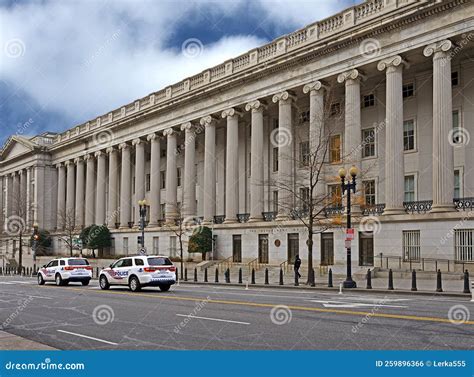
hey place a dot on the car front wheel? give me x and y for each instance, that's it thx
(59, 280)
(104, 283)
(134, 284)
(40, 279)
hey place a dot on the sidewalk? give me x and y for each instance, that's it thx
(10, 342)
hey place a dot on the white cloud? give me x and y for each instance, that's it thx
(82, 59)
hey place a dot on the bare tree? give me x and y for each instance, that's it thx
(68, 231)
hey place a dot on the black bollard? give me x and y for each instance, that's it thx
(390, 280)
(439, 287)
(217, 276)
(253, 276)
(313, 280)
(186, 274)
(195, 275)
(466, 282)
(369, 279)
(227, 276)
(240, 275)
(281, 277)
(413, 281)
(177, 274)
(266, 276)
(330, 279)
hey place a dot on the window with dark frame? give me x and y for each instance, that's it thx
(369, 192)
(275, 159)
(409, 135)
(368, 142)
(335, 148)
(368, 100)
(304, 153)
(408, 90)
(335, 109)
(454, 78)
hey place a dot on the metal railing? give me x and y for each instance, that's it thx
(285, 266)
(335, 210)
(420, 206)
(219, 219)
(269, 216)
(253, 264)
(373, 210)
(464, 204)
(225, 264)
(243, 217)
(423, 264)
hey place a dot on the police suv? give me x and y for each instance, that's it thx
(65, 270)
(139, 271)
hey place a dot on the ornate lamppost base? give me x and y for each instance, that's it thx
(349, 283)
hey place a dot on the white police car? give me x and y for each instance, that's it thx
(65, 270)
(139, 271)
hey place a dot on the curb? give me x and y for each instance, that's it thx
(336, 289)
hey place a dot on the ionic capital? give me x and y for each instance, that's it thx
(391, 63)
(188, 126)
(152, 137)
(110, 150)
(231, 113)
(284, 97)
(99, 154)
(60, 165)
(256, 106)
(70, 163)
(314, 86)
(88, 157)
(78, 160)
(438, 47)
(137, 141)
(124, 146)
(169, 132)
(207, 121)
(353, 74)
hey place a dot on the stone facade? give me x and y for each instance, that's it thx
(388, 82)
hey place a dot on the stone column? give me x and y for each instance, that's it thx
(100, 188)
(209, 200)
(232, 165)
(80, 192)
(352, 131)
(443, 150)
(171, 176)
(394, 155)
(125, 186)
(317, 140)
(155, 170)
(8, 198)
(284, 141)
(2, 208)
(189, 192)
(90, 192)
(23, 186)
(29, 206)
(60, 223)
(70, 193)
(39, 195)
(139, 176)
(256, 163)
(112, 215)
(16, 197)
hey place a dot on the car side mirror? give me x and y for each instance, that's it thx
(110, 265)
(44, 266)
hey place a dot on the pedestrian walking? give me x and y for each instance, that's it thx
(297, 266)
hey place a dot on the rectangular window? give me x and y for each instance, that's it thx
(275, 159)
(275, 201)
(369, 192)
(335, 149)
(172, 246)
(408, 90)
(463, 245)
(304, 198)
(263, 248)
(368, 100)
(148, 182)
(335, 109)
(178, 177)
(163, 210)
(368, 142)
(304, 153)
(409, 135)
(237, 248)
(411, 245)
(327, 249)
(410, 188)
(163, 179)
(156, 245)
(304, 117)
(457, 132)
(125, 245)
(457, 184)
(454, 78)
(335, 197)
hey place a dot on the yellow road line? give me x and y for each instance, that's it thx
(293, 307)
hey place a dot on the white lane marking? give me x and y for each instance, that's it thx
(25, 295)
(212, 319)
(88, 337)
(336, 304)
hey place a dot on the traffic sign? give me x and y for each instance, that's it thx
(142, 251)
(347, 244)
(350, 234)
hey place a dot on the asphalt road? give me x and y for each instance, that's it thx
(209, 318)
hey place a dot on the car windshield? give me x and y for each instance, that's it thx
(159, 262)
(78, 262)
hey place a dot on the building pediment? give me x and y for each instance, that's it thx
(16, 146)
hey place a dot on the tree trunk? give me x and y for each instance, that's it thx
(20, 255)
(310, 256)
(181, 257)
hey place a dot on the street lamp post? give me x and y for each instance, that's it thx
(34, 245)
(348, 187)
(143, 209)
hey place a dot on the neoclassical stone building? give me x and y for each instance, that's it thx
(391, 84)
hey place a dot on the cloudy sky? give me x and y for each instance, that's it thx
(64, 62)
